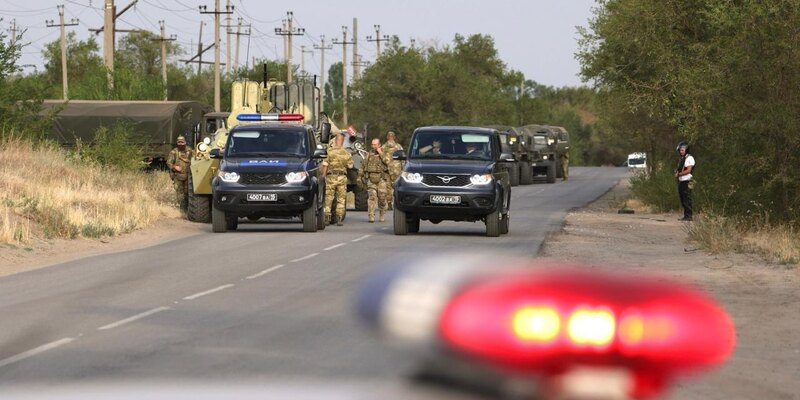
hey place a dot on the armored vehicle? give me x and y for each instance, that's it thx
(543, 143)
(453, 173)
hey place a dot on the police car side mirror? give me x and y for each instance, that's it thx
(398, 155)
(507, 157)
(215, 153)
(320, 153)
(325, 135)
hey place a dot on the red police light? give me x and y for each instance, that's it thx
(548, 324)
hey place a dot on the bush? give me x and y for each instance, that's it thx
(112, 148)
(658, 190)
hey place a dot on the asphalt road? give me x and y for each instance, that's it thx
(266, 303)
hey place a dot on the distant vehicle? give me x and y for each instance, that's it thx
(637, 160)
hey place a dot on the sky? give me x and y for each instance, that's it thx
(536, 37)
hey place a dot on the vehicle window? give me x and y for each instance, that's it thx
(540, 141)
(253, 143)
(451, 144)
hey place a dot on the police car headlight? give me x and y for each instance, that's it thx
(480, 179)
(202, 147)
(544, 157)
(230, 177)
(296, 177)
(411, 177)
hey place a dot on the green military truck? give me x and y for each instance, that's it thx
(543, 148)
(562, 148)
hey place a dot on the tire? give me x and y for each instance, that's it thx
(362, 198)
(321, 219)
(310, 217)
(525, 173)
(334, 217)
(559, 172)
(198, 205)
(218, 222)
(513, 174)
(504, 224)
(413, 226)
(400, 222)
(493, 224)
(551, 173)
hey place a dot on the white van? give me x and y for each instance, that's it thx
(637, 160)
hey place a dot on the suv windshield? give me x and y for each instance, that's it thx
(452, 145)
(267, 143)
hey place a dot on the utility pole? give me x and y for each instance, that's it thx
(61, 24)
(228, 27)
(217, 13)
(356, 66)
(163, 39)
(344, 44)
(288, 32)
(239, 33)
(13, 31)
(109, 30)
(303, 53)
(322, 49)
(378, 39)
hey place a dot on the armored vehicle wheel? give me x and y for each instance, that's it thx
(525, 173)
(551, 173)
(513, 174)
(218, 222)
(198, 205)
(232, 223)
(504, 224)
(413, 226)
(559, 172)
(362, 197)
(310, 217)
(493, 224)
(400, 222)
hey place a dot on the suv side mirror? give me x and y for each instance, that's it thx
(325, 136)
(215, 153)
(398, 155)
(320, 153)
(507, 157)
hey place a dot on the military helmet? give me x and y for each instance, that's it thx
(682, 144)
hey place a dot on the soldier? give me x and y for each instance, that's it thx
(395, 166)
(564, 158)
(178, 161)
(376, 173)
(335, 170)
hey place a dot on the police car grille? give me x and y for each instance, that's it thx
(263, 179)
(436, 180)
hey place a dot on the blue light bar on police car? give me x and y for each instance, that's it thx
(270, 117)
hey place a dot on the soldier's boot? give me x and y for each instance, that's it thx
(339, 220)
(327, 219)
(383, 216)
(371, 217)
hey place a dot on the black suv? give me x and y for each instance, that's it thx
(269, 170)
(453, 173)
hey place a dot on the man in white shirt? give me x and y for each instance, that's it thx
(684, 175)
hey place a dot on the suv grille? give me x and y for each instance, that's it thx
(445, 180)
(263, 179)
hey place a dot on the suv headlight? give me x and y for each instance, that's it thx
(230, 177)
(480, 179)
(296, 177)
(411, 177)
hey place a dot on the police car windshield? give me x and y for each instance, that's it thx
(452, 145)
(267, 143)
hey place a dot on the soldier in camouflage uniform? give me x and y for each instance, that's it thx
(395, 166)
(335, 170)
(375, 173)
(178, 161)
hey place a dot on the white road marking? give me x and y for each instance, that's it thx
(305, 258)
(33, 352)
(361, 238)
(214, 290)
(266, 271)
(384, 228)
(133, 318)
(334, 246)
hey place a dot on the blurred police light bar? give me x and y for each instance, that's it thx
(270, 117)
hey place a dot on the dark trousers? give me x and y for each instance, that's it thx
(686, 198)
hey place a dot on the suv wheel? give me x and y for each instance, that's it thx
(400, 222)
(504, 223)
(310, 217)
(218, 222)
(493, 224)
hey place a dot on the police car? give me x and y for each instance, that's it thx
(269, 169)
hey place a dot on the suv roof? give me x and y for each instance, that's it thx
(459, 128)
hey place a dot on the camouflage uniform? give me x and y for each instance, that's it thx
(338, 161)
(180, 179)
(564, 158)
(374, 170)
(395, 168)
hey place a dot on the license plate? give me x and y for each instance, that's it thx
(262, 197)
(441, 199)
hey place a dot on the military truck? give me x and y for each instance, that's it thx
(510, 144)
(543, 143)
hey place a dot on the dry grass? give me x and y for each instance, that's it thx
(777, 244)
(43, 191)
